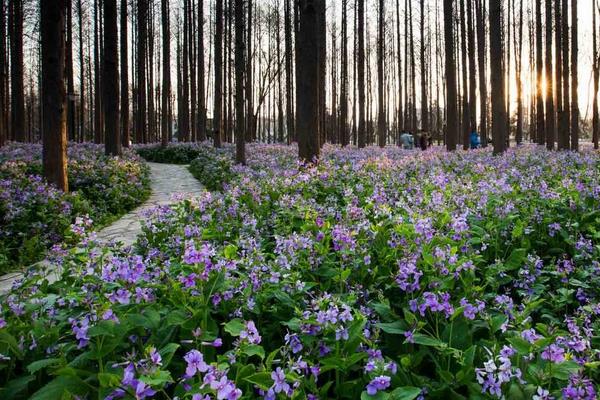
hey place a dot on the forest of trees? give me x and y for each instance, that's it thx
(308, 71)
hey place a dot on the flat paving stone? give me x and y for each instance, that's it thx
(170, 183)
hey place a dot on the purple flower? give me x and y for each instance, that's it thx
(554, 354)
(142, 391)
(250, 333)
(155, 357)
(379, 383)
(195, 363)
(279, 385)
(226, 390)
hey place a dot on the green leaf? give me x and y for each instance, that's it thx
(58, 387)
(393, 328)
(261, 379)
(378, 396)
(522, 346)
(41, 364)
(108, 380)
(254, 350)
(405, 393)
(230, 252)
(159, 378)
(516, 259)
(565, 369)
(234, 327)
(167, 353)
(14, 387)
(428, 340)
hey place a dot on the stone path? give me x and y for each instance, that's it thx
(167, 180)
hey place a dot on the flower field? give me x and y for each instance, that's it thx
(379, 274)
(35, 215)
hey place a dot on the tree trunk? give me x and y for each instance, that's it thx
(558, 74)
(550, 115)
(69, 71)
(362, 132)
(596, 69)
(307, 94)
(499, 134)
(54, 97)
(451, 111)
(565, 124)
(381, 131)
(400, 111)
(472, 68)
(466, 118)
(481, 61)
(3, 127)
(124, 77)
(110, 80)
(142, 26)
(201, 71)
(218, 60)
(575, 77)
(519, 68)
(289, 113)
(250, 133)
(424, 102)
(166, 70)
(16, 71)
(240, 143)
(322, 36)
(540, 124)
(344, 137)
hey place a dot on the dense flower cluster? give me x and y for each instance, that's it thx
(35, 215)
(380, 273)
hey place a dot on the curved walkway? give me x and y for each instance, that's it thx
(167, 181)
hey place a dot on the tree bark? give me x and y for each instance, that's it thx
(481, 61)
(54, 120)
(16, 71)
(550, 114)
(240, 143)
(381, 123)
(499, 134)
(344, 137)
(218, 60)
(451, 109)
(110, 81)
(575, 77)
(540, 118)
(142, 26)
(3, 63)
(166, 70)
(71, 125)
(289, 113)
(596, 70)
(307, 94)
(125, 137)
(201, 72)
(565, 124)
(362, 131)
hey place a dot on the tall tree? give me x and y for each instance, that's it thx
(110, 79)
(3, 63)
(596, 71)
(424, 101)
(472, 68)
(499, 134)
(451, 98)
(17, 71)
(166, 70)
(240, 143)
(539, 65)
(201, 72)
(218, 61)
(69, 71)
(481, 63)
(465, 79)
(381, 124)
(54, 98)
(575, 77)
(142, 35)
(400, 112)
(307, 94)
(550, 114)
(81, 74)
(124, 77)
(362, 129)
(322, 44)
(344, 137)
(565, 120)
(289, 113)
(250, 128)
(98, 128)
(519, 68)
